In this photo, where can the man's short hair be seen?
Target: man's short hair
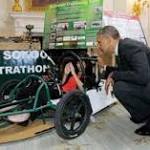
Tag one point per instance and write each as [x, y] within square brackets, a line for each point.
[109, 31]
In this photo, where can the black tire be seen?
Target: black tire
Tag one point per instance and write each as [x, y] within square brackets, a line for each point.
[6, 88]
[74, 109]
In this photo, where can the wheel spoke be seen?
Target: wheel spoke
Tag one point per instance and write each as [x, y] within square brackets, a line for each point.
[79, 107]
[72, 124]
[64, 118]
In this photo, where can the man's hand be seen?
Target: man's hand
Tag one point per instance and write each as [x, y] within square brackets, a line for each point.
[109, 82]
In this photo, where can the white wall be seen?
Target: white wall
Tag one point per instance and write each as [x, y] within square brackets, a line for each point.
[145, 21]
[6, 23]
[120, 5]
[116, 5]
[108, 4]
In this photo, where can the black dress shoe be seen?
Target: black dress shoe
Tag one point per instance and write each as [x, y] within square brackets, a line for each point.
[144, 130]
[137, 121]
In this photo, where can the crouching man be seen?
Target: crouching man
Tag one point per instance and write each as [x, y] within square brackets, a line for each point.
[131, 78]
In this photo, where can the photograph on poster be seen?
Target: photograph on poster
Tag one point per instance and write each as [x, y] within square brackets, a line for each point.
[62, 26]
[80, 25]
[96, 24]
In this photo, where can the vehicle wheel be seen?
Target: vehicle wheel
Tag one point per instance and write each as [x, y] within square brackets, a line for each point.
[72, 114]
[76, 58]
[7, 87]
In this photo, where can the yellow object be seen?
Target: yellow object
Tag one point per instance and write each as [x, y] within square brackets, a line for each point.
[137, 8]
[17, 7]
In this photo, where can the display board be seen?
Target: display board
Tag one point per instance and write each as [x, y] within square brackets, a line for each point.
[128, 26]
[72, 24]
[17, 64]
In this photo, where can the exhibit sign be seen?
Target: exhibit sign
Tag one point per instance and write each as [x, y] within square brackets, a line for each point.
[72, 24]
[17, 64]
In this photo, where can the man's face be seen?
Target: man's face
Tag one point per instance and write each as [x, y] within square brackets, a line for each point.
[104, 44]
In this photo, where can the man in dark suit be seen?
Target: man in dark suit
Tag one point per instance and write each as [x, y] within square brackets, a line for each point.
[131, 77]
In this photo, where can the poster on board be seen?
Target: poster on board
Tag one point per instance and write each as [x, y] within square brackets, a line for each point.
[72, 24]
[128, 26]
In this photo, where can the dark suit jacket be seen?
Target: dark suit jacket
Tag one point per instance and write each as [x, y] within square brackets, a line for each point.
[134, 62]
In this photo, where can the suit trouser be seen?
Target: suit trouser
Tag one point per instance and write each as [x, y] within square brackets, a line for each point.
[135, 98]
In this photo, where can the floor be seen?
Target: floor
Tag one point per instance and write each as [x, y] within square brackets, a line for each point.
[112, 130]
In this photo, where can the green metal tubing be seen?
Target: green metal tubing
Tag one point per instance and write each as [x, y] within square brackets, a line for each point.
[26, 111]
[35, 108]
[38, 92]
[12, 93]
[16, 102]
